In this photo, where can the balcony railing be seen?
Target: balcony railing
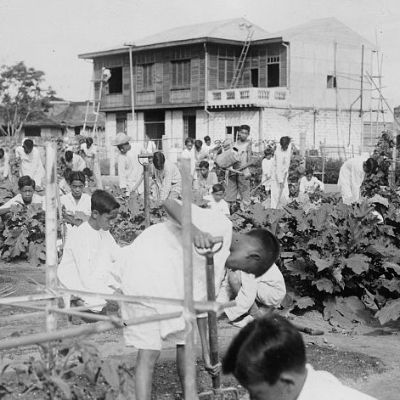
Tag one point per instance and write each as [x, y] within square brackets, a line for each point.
[247, 97]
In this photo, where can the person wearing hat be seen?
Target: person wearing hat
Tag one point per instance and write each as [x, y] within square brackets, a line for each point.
[129, 168]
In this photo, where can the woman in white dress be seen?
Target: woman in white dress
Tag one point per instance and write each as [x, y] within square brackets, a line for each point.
[279, 181]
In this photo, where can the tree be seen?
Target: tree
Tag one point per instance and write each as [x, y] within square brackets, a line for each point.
[22, 97]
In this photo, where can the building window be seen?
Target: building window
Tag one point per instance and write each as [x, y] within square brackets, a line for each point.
[273, 71]
[232, 132]
[181, 74]
[32, 131]
[121, 120]
[254, 77]
[189, 126]
[148, 76]
[115, 82]
[226, 67]
[331, 81]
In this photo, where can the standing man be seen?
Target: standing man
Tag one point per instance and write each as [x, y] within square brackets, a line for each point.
[238, 182]
[129, 168]
[31, 163]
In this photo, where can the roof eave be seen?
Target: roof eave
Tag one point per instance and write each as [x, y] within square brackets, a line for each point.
[123, 50]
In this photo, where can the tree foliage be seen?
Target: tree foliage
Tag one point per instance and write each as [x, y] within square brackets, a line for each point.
[22, 97]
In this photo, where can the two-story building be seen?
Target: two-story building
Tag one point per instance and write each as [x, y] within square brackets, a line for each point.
[208, 79]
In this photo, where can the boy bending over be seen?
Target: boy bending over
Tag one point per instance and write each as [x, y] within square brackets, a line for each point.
[90, 252]
[250, 293]
[146, 272]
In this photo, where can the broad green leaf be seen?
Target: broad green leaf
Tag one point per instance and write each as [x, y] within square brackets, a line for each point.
[390, 311]
[393, 266]
[319, 262]
[358, 263]
[110, 374]
[298, 268]
[393, 285]
[324, 285]
[304, 302]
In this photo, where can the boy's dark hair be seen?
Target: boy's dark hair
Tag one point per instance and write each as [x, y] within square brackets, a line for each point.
[89, 141]
[67, 173]
[204, 164]
[198, 143]
[26, 180]
[76, 176]
[270, 246]
[263, 350]
[28, 144]
[309, 171]
[103, 202]
[268, 152]
[284, 141]
[1, 153]
[69, 155]
[188, 140]
[87, 172]
[207, 138]
[158, 160]
[371, 165]
[218, 187]
[245, 127]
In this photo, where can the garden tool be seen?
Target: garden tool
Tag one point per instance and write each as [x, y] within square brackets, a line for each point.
[145, 160]
[217, 391]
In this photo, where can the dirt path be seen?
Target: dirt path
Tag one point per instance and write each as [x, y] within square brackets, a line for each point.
[369, 341]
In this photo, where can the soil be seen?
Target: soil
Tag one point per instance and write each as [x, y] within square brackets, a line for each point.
[365, 357]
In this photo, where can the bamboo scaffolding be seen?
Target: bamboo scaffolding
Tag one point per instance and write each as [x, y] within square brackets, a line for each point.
[199, 305]
[189, 310]
[86, 329]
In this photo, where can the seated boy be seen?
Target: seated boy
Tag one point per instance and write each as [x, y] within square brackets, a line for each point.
[90, 253]
[26, 196]
[309, 184]
[216, 200]
[205, 179]
[250, 292]
[268, 358]
[145, 272]
[74, 161]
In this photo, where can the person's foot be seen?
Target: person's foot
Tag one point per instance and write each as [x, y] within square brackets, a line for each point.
[243, 322]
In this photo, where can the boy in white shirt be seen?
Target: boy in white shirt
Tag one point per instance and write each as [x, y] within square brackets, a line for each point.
[216, 200]
[26, 197]
[250, 293]
[74, 161]
[309, 184]
[90, 253]
[267, 169]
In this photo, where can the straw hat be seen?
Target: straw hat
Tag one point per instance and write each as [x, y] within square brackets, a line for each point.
[121, 138]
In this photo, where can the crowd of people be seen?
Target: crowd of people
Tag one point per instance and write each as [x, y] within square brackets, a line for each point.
[245, 267]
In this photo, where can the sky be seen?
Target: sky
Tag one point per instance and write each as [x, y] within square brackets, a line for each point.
[49, 34]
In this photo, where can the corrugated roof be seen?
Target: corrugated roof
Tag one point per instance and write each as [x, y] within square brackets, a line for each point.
[74, 115]
[325, 29]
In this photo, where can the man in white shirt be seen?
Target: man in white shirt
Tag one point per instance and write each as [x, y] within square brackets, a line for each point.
[90, 253]
[129, 169]
[31, 162]
[147, 270]
[250, 292]
[74, 161]
[189, 153]
[268, 358]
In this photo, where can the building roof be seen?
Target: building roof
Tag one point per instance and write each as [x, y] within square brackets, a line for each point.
[325, 30]
[230, 30]
[73, 114]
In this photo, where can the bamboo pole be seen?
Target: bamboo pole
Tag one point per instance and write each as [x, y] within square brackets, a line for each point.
[199, 305]
[29, 297]
[51, 228]
[87, 329]
[188, 305]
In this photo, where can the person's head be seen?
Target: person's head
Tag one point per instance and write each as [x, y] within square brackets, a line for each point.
[244, 132]
[76, 181]
[69, 156]
[218, 192]
[284, 142]
[66, 174]
[27, 146]
[309, 174]
[124, 148]
[253, 252]
[87, 172]
[268, 153]
[268, 358]
[26, 186]
[198, 144]
[189, 143]
[370, 166]
[89, 142]
[104, 210]
[204, 168]
[158, 160]
[1, 153]
[207, 140]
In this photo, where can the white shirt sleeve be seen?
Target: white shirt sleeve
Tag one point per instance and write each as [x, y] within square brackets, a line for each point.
[245, 298]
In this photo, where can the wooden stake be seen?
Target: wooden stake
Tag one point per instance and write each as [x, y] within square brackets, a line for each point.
[28, 297]
[189, 310]
[87, 329]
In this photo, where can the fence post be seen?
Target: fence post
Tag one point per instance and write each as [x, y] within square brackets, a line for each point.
[51, 231]
[189, 311]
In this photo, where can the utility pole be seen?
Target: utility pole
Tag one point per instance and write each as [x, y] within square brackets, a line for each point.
[135, 133]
